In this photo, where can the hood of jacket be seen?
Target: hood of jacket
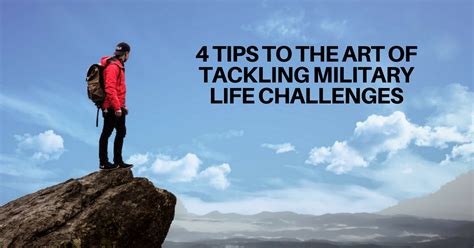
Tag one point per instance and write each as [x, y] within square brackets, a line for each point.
[110, 59]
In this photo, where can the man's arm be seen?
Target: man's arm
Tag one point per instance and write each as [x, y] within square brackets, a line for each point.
[111, 73]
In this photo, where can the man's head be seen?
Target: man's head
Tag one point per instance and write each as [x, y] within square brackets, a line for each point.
[122, 51]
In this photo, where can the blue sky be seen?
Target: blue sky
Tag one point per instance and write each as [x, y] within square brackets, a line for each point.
[236, 158]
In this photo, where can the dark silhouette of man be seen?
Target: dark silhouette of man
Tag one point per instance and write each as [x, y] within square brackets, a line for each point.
[114, 109]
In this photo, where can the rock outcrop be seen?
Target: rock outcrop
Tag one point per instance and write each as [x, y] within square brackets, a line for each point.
[102, 209]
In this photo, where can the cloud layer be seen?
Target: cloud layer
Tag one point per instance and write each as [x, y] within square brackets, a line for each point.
[307, 197]
[378, 135]
[45, 146]
[383, 151]
[182, 170]
[280, 148]
[340, 158]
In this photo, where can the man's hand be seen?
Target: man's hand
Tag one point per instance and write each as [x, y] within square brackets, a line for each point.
[125, 110]
[118, 113]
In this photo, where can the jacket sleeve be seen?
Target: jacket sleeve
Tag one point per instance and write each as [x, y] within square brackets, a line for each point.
[111, 84]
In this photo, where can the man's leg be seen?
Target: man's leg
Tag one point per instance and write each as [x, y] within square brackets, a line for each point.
[119, 136]
[108, 127]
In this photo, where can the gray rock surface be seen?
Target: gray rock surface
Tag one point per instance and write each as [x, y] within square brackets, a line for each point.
[102, 209]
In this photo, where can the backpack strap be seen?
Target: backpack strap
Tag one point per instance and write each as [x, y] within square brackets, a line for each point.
[97, 117]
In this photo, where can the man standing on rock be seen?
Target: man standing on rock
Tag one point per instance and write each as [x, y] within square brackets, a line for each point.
[114, 109]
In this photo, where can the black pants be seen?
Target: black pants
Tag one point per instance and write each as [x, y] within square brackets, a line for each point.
[110, 122]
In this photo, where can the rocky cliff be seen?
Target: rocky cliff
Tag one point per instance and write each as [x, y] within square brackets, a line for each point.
[102, 209]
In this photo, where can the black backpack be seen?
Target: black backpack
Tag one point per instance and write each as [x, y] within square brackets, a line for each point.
[95, 87]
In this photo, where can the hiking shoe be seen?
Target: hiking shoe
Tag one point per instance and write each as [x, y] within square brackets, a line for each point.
[123, 165]
[107, 166]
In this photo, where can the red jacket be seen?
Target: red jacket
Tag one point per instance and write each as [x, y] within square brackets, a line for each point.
[114, 83]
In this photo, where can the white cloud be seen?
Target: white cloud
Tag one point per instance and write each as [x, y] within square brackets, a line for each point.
[45, 146]
[138, 159]
[395, 132]
[404, 172]
[438, 136]
[384, 133]
[184, 169]
[307, 198]
[23, 172]
[464, 152]
[380, 134]
[280, 148]
[217, 176]
[452, 107]
[410, 175]
[340, 157]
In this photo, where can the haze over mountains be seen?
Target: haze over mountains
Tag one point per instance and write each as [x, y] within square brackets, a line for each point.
[443, 216]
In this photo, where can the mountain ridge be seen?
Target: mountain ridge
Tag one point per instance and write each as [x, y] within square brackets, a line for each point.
[454, 201]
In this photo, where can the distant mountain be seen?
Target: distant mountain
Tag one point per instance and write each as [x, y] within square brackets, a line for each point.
[180, 209]
[359, 228]
[442, 219]
[454, 200]
[288, 243]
